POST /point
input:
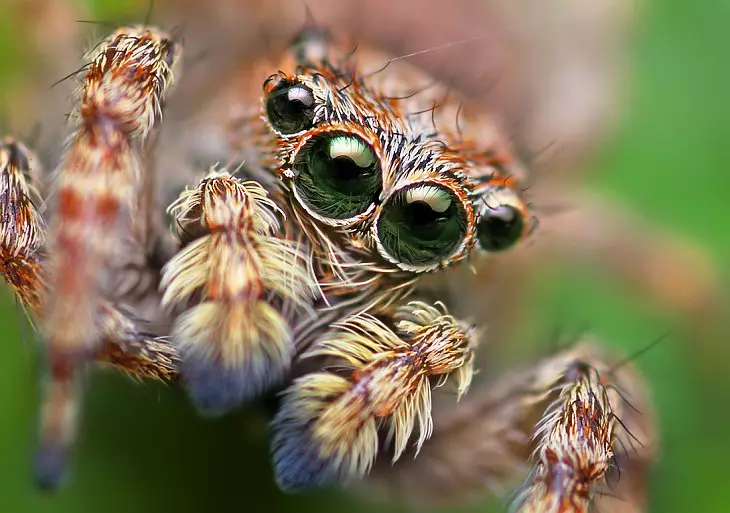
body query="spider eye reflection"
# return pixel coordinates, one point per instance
(421, 225)
(290, 108)
(500, 227)
(338, 176)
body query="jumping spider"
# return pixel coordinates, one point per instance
(302, 264)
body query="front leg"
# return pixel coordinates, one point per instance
(234, 281)
(379, 373)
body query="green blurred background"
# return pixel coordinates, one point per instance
(144, 450)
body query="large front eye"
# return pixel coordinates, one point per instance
(338, 176)
(422, 225)
(290, 108)
(502, 223)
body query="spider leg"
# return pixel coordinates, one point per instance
(578, 422)
(23, 230)
(125, 343)
(326, 429)
(131, 346)
(95, 191)
(234, 341)
(575, 444)
(99, 179)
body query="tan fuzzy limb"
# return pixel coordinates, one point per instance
(235, 343)
(130, 346)
(483, 446)
(123, 344)
(326, 430)
(576, 440)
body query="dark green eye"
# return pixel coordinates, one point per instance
(500, 227)
(338, 176)
(422, 225)
(290, 108)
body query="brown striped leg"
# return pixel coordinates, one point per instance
(96, 190)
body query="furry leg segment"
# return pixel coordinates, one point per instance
(377, 375)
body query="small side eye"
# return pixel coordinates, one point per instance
(502, 222)
(290, 108)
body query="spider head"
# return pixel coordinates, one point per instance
(376, 183)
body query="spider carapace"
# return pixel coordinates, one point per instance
(295, 267)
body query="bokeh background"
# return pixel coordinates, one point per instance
(144, 449)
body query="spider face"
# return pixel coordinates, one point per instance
(359, 167)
